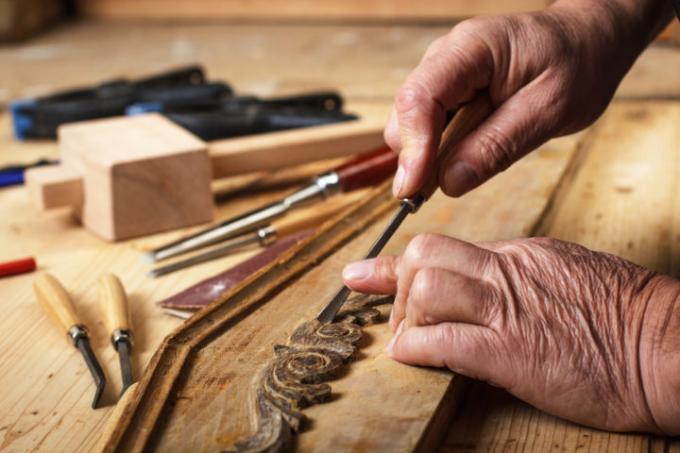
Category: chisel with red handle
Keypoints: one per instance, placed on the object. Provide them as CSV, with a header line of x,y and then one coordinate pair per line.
x,y
366,170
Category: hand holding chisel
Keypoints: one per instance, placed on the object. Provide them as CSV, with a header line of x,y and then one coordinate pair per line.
x,y
114,305
56,302
466,119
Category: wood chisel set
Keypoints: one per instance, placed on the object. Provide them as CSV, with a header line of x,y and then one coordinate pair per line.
x,y
57,304
131,147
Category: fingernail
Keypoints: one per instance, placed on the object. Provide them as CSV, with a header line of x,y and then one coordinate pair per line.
x,y
398,181
357,271
390,345
460,178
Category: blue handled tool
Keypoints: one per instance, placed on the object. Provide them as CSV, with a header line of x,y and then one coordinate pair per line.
x,y
13,175
40,117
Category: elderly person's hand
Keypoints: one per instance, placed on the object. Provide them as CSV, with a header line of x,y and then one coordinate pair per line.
x,y
548,73
580,334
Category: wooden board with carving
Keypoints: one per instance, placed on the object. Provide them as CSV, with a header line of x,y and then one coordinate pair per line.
x,y
45,391
620,196
197,394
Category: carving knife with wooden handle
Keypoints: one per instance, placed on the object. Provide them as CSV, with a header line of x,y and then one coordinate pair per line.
x,y
365,171
56,302
466,120
114,305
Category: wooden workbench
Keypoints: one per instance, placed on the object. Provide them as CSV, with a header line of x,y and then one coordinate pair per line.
x,y
620,199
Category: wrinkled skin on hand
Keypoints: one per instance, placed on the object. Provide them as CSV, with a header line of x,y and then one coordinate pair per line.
x,y
586,336
548,73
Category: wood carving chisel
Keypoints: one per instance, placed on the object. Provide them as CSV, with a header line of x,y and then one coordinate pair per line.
x,y
466,119
290,224
365,171
56,302
114,305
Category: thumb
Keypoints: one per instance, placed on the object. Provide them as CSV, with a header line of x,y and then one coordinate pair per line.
x,y
374,276
449,74
467,349
521,124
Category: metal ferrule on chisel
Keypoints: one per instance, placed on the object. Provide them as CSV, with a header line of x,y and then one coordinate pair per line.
x,y
291,224
57,304
262,236
466,119
119,335
77,332
321,188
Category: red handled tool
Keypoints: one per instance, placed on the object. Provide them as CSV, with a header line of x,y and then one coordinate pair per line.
x,y
364,171
15,267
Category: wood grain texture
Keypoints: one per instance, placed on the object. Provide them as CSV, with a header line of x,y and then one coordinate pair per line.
x,y
433,10
621,195
141,175
56,302
54,186
195,397
113,302
297,376
282,149
44,386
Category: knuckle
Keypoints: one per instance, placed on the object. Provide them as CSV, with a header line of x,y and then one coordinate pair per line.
x,y
392,139
497,151
385,268
421,286
419,248
410,96
435,46
446,335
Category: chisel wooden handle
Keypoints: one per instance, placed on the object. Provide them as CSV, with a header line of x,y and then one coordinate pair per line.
x,y
113,302
56,302
469,116
313,216
368,169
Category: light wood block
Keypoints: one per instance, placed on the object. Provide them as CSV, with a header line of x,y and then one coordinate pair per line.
x,y
54,186
140,175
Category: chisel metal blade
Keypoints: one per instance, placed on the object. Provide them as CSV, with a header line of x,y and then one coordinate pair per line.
x,y
407,207
83,345
123,348
225,230
216,252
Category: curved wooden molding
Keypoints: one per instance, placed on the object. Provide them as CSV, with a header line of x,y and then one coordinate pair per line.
x,y
134,429
297,376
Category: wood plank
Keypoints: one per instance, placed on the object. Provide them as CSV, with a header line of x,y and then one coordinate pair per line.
x,y
433,10
622,196
366,63
196,395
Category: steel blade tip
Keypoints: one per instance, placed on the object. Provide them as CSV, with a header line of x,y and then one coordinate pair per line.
x,y
148,258
99,390
154,273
